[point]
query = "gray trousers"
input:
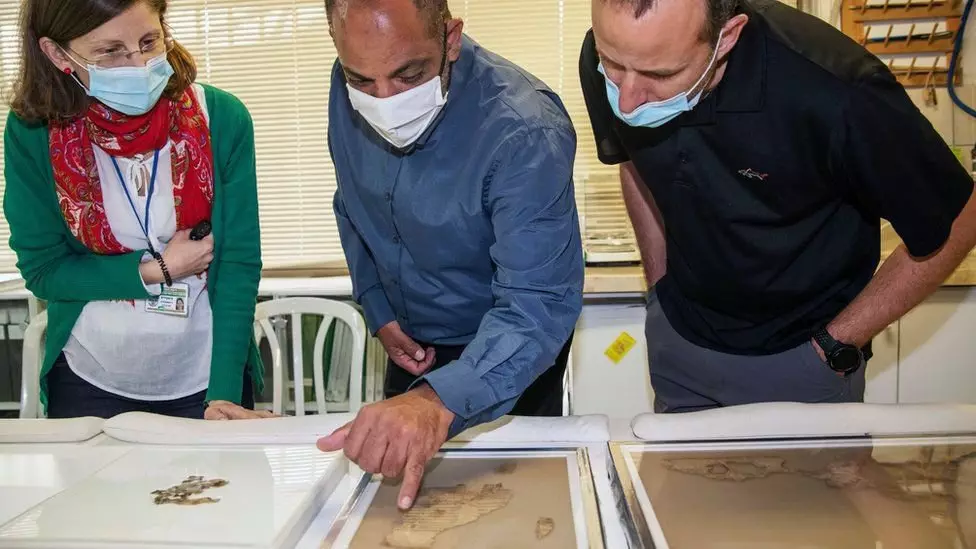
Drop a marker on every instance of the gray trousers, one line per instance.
(688, 378)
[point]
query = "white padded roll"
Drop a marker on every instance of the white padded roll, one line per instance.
(28, 431)
(592, 428)
(793, 420)
(142, 428)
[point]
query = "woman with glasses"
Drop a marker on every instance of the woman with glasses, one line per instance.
(117, 167)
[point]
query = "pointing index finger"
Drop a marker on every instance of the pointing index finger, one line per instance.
(412, 477)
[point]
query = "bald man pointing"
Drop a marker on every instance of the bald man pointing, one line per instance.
(456, 211)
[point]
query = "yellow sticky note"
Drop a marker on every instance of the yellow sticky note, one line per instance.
(620, 347)
(958, 152)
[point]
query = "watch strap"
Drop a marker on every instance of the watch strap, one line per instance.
(827, 342)
(832, 348)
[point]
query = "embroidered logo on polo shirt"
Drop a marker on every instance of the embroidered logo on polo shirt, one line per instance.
(753, 174)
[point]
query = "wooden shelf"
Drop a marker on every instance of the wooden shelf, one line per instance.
(921, 78)
(854, 11)
(916, 46)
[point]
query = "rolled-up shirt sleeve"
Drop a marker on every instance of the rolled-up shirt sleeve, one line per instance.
(366, 286)
(537, 285)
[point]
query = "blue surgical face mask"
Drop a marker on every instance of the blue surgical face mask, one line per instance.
(658, 113)
(129, 90)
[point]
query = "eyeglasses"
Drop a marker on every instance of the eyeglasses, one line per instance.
(121, 57)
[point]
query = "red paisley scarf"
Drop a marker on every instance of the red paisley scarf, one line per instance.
(76, 175)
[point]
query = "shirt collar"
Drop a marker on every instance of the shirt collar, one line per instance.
(743, 86)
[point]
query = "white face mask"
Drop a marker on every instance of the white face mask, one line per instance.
(401, 119)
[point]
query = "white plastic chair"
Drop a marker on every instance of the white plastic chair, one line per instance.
(30, 376)
(330, 310)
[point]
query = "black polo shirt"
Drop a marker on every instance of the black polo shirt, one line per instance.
(773, 188)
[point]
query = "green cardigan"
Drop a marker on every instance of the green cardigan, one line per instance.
(60, 270)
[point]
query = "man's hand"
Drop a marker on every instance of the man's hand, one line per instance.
(823, 355)
(394, 437)
(404, 351)
(224, 410)
(819, 349)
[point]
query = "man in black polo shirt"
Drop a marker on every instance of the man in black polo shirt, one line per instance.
(759, 149)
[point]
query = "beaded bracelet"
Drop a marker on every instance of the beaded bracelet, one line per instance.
(162, 265)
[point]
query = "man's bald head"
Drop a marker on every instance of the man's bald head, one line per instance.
(435, 13)
(386, 47)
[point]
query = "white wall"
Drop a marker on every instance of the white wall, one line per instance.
(828, 10)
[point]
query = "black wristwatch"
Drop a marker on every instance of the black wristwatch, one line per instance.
(841, 357)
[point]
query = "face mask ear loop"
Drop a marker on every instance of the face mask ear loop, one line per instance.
(75, 77)
(444, 56)
(706, 78)
(445, 79)
(72, 74)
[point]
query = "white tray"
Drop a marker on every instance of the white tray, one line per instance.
(29, 475)
(273, 493)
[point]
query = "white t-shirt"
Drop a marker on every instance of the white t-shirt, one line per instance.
(118, 346)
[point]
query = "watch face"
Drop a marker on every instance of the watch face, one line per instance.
(846, 359)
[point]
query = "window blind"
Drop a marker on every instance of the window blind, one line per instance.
(276, 56)
(9, 65)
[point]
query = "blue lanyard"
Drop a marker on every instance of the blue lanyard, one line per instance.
(143, 224)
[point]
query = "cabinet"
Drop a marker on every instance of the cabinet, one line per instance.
(937, 361)
(882, 373)
(597, 385)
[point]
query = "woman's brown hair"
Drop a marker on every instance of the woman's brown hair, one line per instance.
(42, 92)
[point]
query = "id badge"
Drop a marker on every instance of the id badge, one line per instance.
(174, 301)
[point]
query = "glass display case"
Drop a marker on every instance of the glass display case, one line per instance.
(479, 499)
(859, 493)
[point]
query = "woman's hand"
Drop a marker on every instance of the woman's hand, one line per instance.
(185, 257)
(219, 410)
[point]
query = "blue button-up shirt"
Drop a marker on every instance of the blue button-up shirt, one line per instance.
(471, 237)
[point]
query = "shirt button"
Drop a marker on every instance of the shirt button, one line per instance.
(683, 158)
(467, 405)
(388, 197)
(396, 239)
